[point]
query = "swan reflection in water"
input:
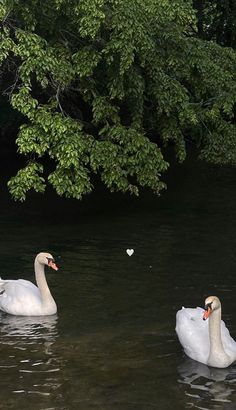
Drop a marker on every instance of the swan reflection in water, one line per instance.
(27, 329)
(208, 385)
(29, 358)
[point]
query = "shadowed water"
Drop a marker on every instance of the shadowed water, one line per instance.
(113, 344)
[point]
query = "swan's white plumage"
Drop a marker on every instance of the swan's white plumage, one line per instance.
(192, 331)
(193, 334)
(22, 297)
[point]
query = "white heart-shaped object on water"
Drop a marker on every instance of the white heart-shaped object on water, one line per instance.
(129, 252)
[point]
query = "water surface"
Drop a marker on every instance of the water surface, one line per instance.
(113, 344)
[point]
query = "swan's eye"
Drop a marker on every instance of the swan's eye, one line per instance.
(50, 260)
(208, 305)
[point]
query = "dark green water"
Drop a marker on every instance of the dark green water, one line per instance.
(113, 343)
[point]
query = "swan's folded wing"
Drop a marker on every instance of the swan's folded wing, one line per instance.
(193, 333)
(17, 287)
(16, 295)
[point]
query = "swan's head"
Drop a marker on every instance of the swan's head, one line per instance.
(211, 303)
(46, 259)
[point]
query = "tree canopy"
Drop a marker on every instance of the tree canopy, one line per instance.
(103, 86)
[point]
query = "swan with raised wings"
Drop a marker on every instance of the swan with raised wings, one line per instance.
(206, 341)
(22, 297)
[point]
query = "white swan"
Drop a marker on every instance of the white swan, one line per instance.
(21, 297)
(208, 342)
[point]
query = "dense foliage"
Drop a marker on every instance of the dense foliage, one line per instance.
(104, 85)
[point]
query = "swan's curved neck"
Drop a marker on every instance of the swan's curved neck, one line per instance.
(214, 330)
(41, 281)
(217, 351)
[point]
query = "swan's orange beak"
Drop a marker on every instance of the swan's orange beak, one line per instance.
(52, 265)
(206, 314)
